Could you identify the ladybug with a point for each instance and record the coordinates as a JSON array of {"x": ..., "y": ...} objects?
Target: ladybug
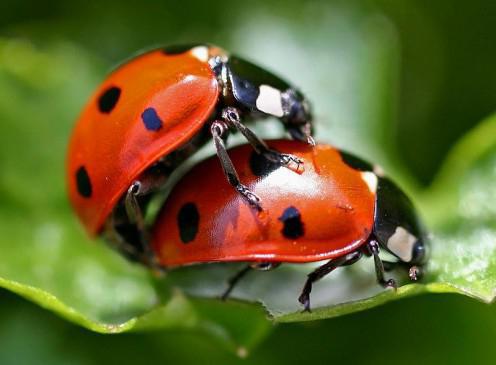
[
  {"x": 156, "y": 110},
  {"x": 339, "y": 209}
]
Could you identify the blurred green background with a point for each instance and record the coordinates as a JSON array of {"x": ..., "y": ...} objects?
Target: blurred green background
[{"x": 435, "y": 64}]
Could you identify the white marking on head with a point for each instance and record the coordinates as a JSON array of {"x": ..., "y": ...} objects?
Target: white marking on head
[
  {"x": 401, "y": 244},
  {"x": 269, "y": 101},
  {"x": 200, "y": 53},
  {"x": 378, "y": 170},
  {"x": 371, "y": 180}
]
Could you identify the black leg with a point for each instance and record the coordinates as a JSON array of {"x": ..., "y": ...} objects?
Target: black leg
[
  {"x": 126, "y": 239},
  {"x": 136, "y": 217},
  {"x": 218, "y": 130},
  {"x": 303, "y": 133},
  {"x": 390, "y": 265},
  {"x": 231, "y": 116},
  {"x": 322, "y": 271},
  {"x": 379, "y": 266},
  {"x": 133, "y": 210},
  {"x": 234, "y": 280},
  {"x": 414, "y": 272},
  {"x": 118, "y": 242}
]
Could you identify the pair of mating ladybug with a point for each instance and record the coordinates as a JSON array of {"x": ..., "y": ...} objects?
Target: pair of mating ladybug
[{"x": 155, "y": 111}]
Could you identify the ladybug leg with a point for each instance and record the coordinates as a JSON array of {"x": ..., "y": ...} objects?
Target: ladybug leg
[
  {"x": 390, "y": 265},
  {"x": 136, "y": 217},
  {"x": 414, "y": 272},
  {"x": 302, "y": 133},
  {"x": 322, "y": 271},
  {"x": 231, "y": 283},
  {"x": 260, "y": 266},
  {"x": 115, "y": 239},
  {"x": 231, "y": 116},
  {"x": 373, "y": 246},
  {"x": 218, "y": 130},
  {"x": 133, "y": 208},
  {"x": 124, "y": 238}
]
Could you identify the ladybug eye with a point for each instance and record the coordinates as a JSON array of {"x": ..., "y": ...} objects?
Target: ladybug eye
[{"x": 418, "y": 252}]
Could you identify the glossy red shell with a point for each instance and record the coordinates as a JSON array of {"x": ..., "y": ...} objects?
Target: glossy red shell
[
  {"x": 115, "y": 147},
  {"x": 335, "y": 204}
]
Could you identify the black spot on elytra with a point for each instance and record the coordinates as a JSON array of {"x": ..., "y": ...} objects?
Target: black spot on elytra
[
  {"x": 260, "y": 166},
  {"x": 292, "y": 224},
  {"x": 188, "y": 219},
  {"x": 151, "y": 120},
  {"x": 108, "y": 99},
  {"x": 355, "y": 162},
  {"x": 176, "y": 49},
  {"x": 83, "y": 182}
]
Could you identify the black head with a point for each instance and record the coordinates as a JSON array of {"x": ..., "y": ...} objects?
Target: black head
[
  {"x": 259, "y": 91},
  {"x": 398, "y": 228}
]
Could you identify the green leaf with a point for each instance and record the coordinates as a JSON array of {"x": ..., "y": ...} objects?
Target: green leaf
[
  {"x": 462, "y": 177},
  {"x": 47, "y": 258}
]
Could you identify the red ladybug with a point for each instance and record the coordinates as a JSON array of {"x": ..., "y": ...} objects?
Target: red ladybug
[
  {"x": 338, "y": 209},
  {"x": 153, "y": 112}
]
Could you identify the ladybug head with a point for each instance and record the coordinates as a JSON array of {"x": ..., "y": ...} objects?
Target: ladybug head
[
  {"x": 398, "y": 228},
  {"x": 297, "y": 114},
  {"x": 260, "y": 91}
]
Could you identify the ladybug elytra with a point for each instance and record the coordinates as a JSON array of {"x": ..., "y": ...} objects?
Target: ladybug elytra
[
  {"x": 155, "y": 111},
  {"x": 337, "y": 210}
]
